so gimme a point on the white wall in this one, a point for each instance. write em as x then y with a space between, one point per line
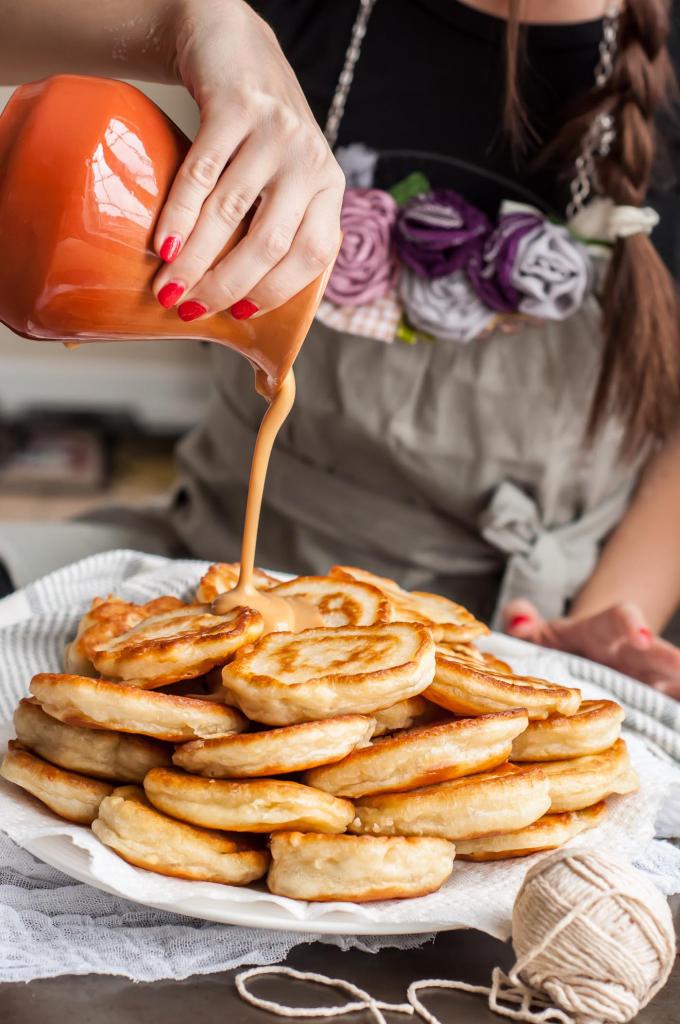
163 384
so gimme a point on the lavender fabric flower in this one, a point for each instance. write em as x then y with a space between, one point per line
438 232
366 268
551 271
446 307
491 268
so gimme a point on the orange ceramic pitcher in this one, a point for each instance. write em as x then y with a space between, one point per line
85 166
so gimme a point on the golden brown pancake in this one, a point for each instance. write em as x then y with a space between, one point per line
465 688
288 678
469 652
276 751
248 805
99 704
107 618
97 752
495 664
356 868
406 714
594 727
448 620
466 651
582 781
339 602
503 799
71 796
143 836
422 756
549 832
223 576
181 644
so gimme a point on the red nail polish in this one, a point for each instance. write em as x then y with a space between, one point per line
243 309
519 620
645 634
170 248
170 293
191 310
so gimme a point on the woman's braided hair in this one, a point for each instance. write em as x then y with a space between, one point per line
640 374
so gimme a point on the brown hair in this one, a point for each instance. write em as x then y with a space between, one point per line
640 374
515 118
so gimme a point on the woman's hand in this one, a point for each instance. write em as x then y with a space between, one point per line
258 145
619 637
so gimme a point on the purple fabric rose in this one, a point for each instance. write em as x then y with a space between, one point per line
366 268
446 307
551 271
438 232
491 268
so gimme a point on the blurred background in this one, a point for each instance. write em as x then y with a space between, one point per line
84 427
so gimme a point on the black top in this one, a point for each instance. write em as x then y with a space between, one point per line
430 78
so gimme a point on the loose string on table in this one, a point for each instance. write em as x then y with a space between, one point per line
533 1008
365 1000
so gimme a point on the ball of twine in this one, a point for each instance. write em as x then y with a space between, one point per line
592 935
594 942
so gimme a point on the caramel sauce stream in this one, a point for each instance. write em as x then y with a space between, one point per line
279 613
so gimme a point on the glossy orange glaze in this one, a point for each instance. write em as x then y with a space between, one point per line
85 166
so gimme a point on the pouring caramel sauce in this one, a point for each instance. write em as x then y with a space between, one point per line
280 613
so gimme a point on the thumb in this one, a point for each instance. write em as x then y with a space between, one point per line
522 619
634 628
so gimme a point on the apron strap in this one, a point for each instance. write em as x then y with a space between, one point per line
545 565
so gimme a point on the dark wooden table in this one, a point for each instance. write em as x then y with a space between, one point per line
468 956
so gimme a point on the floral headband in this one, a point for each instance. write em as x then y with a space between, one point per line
418 263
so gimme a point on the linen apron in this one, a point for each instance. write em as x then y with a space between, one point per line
460 469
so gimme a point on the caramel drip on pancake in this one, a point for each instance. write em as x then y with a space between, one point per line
280 614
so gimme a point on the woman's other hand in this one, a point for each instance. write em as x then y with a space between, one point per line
619 637
258 145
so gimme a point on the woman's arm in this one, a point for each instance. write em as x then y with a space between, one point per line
633 591
640 563
258 142
120 38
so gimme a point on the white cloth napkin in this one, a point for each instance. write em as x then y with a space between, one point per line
51 924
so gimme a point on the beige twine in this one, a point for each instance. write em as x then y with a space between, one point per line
365 1001
594 942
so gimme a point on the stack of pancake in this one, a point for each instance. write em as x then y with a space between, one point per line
346 762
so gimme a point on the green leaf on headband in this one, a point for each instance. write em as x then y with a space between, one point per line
409 335
414 185
405 332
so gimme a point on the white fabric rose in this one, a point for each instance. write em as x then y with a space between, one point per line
358 164
551 271
445 307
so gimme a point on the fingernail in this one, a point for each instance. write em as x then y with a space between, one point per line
243 309
519 620
170 248
645 634
191 310
170 293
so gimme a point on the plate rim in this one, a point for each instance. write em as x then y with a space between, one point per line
49 849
